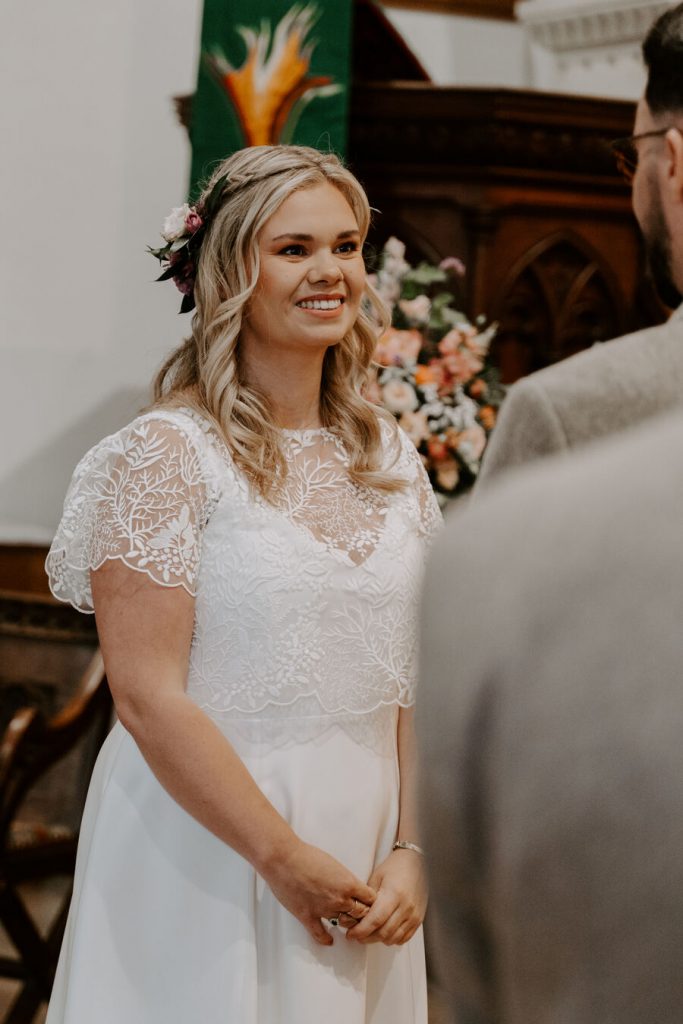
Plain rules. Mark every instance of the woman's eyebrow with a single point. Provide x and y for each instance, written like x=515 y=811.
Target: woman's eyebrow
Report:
x=297 y=237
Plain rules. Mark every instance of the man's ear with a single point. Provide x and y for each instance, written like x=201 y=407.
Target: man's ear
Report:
x=673 y=141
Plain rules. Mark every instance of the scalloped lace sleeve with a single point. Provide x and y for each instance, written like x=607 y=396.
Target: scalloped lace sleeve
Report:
x=142 y=495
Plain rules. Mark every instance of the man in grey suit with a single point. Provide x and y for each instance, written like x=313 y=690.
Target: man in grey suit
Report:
x=550 y=717
x=619 y=383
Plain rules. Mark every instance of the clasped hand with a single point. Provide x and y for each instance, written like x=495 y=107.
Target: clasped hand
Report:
x=312 y=885
x=399 y=909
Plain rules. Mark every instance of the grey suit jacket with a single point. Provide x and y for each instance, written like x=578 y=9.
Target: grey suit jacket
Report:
x=550 y=718
x=594 y=393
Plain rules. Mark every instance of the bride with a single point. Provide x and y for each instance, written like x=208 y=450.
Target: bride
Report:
x=252 y=547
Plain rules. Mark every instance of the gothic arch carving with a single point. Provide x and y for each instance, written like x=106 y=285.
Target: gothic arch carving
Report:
x=558 y=298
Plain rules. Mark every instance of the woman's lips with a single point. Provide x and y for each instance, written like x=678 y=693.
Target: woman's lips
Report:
x=323 y=307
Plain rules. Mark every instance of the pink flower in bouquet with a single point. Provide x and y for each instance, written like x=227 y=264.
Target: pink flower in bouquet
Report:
x=451 y=342
x=399 y=397
x=447 y=474
x=398 y=347
x=394 y=247
x=454 y=264
x=416 y=426
x=460 y=361
x=416 y=310
x=477 y=343
x=462 y=365
x=437 y=449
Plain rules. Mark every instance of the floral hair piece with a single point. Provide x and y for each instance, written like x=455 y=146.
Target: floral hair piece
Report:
x=183 y=231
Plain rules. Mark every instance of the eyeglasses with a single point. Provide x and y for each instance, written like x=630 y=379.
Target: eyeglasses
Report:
x=626 y=151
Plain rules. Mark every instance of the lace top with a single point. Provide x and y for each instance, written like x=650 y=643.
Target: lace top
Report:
x=311 y=600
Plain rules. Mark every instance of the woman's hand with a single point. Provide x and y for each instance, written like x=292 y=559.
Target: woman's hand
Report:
x=311 y=885
x=401 y=901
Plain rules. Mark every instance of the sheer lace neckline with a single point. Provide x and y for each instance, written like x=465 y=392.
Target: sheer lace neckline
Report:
x=306 y=432
x=293 y=432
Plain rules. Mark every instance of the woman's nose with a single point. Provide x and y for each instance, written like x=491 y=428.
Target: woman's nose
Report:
x=325 y=268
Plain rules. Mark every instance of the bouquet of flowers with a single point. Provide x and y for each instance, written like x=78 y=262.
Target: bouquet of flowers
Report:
x=432 y=372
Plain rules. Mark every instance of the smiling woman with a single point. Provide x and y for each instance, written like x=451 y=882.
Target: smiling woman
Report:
x=252 y=815
x=310 y=285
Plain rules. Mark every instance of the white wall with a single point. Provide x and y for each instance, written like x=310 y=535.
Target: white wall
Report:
x=95 y=161
x=457 y=50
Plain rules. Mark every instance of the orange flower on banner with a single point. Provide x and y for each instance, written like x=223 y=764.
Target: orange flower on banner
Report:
x=270 y=91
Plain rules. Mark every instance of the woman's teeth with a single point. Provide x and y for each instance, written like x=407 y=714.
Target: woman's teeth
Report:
x=320 y=304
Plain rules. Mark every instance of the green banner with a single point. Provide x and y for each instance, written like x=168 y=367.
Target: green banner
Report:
x=270 y=71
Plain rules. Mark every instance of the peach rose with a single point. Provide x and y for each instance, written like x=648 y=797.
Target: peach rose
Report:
x=462 y=365
x=451 y=342
x=416 y=310
x=487 y=417
x=472 y=442
x=399 y=397
x=398 y=347
x=447 y=474
x=416 y=426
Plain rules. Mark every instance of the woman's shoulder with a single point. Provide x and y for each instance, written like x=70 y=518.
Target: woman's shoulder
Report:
x=162 y=433
x=142 y=495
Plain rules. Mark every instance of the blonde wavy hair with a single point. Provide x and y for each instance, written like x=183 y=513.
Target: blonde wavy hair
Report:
x=204 y=372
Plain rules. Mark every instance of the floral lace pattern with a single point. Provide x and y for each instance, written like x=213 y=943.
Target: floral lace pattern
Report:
x=306 y=607
x=142 y=495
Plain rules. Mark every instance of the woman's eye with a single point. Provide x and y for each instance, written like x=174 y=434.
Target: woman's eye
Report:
x=293 y=250
x=348 y=247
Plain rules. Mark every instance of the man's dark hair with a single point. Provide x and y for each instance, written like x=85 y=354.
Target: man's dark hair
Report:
x=663 y=55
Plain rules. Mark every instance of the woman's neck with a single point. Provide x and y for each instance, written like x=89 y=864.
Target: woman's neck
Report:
x=291 y=380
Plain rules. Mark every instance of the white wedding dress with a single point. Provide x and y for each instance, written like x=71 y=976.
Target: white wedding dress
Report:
x=304 y=649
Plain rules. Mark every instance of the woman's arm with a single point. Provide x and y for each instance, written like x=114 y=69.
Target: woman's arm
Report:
x=399 y=880
x=145 y=632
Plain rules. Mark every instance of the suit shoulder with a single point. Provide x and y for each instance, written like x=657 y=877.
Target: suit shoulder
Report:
x=614 y=383
x=630 y=356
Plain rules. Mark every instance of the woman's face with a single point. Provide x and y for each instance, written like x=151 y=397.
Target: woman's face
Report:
x=312 y=273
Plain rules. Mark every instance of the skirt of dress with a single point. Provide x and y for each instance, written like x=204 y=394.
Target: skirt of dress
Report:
x=168 y=925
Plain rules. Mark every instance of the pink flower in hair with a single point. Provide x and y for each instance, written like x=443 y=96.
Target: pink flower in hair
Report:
x=193 y=221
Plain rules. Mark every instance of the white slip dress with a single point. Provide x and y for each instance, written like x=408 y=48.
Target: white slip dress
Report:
x=303 y=652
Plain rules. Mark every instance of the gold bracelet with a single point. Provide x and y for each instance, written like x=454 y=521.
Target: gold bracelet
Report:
x=401 y=844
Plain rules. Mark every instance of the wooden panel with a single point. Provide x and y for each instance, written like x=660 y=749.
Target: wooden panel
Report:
x=22 y=568
x=522 y=186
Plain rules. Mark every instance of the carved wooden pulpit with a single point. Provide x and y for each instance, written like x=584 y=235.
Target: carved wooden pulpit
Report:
x=521 y=185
